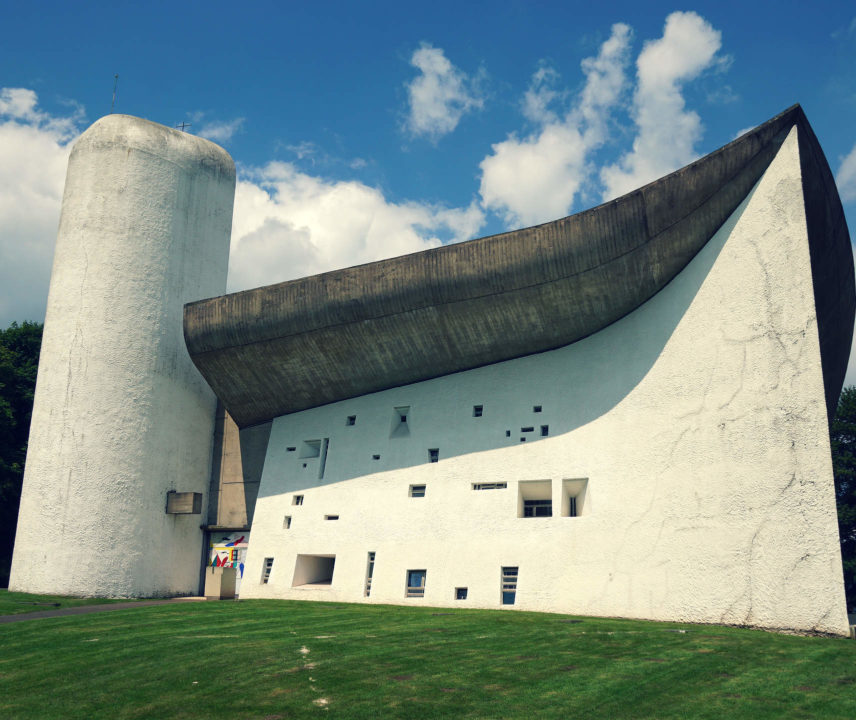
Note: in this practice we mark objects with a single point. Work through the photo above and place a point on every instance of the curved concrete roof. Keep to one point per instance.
(295, 345)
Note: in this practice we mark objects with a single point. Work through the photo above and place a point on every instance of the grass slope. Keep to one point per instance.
(15, 603)
(275, 659)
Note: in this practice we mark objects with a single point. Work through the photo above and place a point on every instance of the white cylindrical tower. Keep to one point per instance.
(121, 415)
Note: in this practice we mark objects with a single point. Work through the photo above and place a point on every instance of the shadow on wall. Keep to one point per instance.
(502, 405)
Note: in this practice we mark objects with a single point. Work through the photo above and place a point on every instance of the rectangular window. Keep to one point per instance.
(478, 410)
(297, 500)
(508, 587)
(322, 464)
(400, 427)
(415, 583)
(434, 455)
(310, 449)
(369, 573)
(527, 429)
(286, 522)
(417, 491)
(574, 497)
(267, 566)
(331, 517)
(545, 430)
(460, 593)
(352, 420)
(290, 449)
(536, 408)
(313, 570)
(490, 486)
(537, 508)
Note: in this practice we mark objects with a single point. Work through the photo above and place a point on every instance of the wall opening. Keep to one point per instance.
(310, 449)
(536, 408)
(460, 593)
(267, 566)
(433, 455)
(331, 517)
(297, 500)
(313, 570)
(490, 486)
(574, 497)
(535, 499)
(508, 585)
(415, 583)
(417, 491)
(286, 522)
(352, 420)
(400, 419)
(478, 410)
(369, 573)
(545, 430)
(322, 464)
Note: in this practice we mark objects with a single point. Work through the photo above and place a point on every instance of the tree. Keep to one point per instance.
(19, 362)
(843, 438)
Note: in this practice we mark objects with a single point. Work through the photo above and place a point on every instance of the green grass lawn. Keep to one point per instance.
(14, 603)
(277, 659)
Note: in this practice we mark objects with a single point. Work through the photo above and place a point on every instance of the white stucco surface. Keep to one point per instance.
(695, 429)
(121, 415)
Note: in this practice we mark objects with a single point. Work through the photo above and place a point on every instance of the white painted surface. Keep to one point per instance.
(698, 420)
(121, 415)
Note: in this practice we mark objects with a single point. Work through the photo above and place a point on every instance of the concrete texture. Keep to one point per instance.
(696, 426)
(301, 344)
(121, 416)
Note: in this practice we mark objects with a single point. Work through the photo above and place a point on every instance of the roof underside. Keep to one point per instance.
(299, 344)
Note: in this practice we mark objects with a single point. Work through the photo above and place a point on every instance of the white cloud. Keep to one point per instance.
(536, 178)
(34, 149)
(289, 224)
(440, 95)
(221, 131)
(846, 177)
(667, 132)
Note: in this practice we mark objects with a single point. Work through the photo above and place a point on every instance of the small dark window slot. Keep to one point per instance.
(460, 593)
(331, 517)
(545, 430)
(433, 455)
(522, 439)
(508, 433)
(536, 408)
(478, 410)
(527, 429)
(290, 449)
(352, 420)
(375, 457)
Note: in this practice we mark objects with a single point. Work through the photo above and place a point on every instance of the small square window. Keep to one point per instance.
(460, 593)
(536, 408)
(297, 500)
(434, 455)
(478, 410)
(417, 491)
(286, 522)
(415, 583)
(352, 420)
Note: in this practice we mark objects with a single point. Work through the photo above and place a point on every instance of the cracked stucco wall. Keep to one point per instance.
(121, 415)
(699, 421)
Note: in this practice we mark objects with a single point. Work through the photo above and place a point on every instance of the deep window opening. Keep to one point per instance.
(417, 491)
(331, 517)
(313, 570)
(290, 449)
(375, 457)
(297, 500)
(267, 566)
(536, 408)
(478, 410)
(535, 499)
(352, 420)
(286, 522)
(369, 573)
(490, 486)
(433, 455)
(310, 449)
(460, 593)
(415, 583)
(400, 428)
(573, 497)
(545, 430)
(508, 586)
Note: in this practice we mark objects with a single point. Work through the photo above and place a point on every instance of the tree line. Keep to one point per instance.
(19, 360)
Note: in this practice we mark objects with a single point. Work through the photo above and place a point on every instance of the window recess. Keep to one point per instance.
(508, 585)
(535, 499)
(415, 583)
(417, 491)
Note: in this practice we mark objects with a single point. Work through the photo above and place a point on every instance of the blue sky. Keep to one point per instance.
(362, 131)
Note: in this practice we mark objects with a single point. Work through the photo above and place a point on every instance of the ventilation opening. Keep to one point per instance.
(313, 570)
(415, 583)
(433, 455)
(417, 491)
(352, 420)
(535, 499)
(310, 449)
(369, 573)
(286, 522)
(267, 566)
(400, 417)
(478, 410)
(297, 500)
(574, 497)
(508, 586)
(460, 593)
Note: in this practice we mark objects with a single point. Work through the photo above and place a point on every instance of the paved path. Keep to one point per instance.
(86, 609)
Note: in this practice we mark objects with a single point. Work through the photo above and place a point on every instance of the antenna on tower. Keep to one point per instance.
(115, 85)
